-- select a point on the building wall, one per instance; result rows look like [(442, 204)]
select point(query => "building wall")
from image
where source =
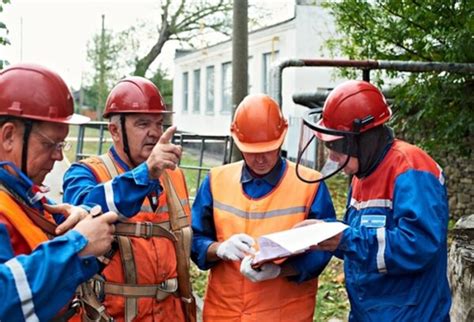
[(301, 37)]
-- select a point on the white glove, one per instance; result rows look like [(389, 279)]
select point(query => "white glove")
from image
[(265, 272), (236, 247)]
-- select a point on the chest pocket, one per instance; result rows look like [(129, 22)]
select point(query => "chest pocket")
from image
[(373, 221)]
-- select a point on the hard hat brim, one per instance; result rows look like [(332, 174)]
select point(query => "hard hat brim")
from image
[(259, 147), (109, 114), (74, 119), (324, 136)]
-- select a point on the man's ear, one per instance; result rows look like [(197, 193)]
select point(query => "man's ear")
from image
[(9, 131), (114, 130)]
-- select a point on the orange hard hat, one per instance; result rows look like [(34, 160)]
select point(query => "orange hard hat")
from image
[(259, 125), (34, 92), (134, 94)]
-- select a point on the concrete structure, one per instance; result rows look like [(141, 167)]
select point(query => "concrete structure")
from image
[(202, 85)]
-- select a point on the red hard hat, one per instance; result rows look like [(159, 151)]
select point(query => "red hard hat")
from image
[(134, 95), (35, 92), (349, 101), (259, 125)]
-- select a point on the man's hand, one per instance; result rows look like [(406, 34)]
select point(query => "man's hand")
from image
[(265, 272), (165, 155), (236, 247), (98, 232), (72, 213), (330, 244)]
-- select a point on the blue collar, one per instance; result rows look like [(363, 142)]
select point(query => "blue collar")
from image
[(21, 185), (117, 158), (272, 178)]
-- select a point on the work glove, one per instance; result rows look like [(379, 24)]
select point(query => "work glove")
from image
[(236, 247), (265, 272)]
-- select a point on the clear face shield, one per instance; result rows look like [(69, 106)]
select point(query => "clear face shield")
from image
[(325, 150)]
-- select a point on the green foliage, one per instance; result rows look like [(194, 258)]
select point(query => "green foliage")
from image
[(104, 54), (435, 109), (164, 84), (3, 34)]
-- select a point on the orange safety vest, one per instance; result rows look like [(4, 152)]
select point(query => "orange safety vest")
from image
[(229, 295), (142, 261), (31, 233)]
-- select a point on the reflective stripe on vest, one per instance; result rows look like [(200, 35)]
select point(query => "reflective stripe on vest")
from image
[(231, 296)]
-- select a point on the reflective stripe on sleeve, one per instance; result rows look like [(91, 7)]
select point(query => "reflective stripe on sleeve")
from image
[(381, 250), (23, 289), (374, 203), (109, 196)]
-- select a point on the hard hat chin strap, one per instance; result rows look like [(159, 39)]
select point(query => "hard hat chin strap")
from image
[(126, 146), (24, 153)]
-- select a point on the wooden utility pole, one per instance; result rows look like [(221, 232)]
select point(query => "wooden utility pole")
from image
[(239, 59), (102, 87)]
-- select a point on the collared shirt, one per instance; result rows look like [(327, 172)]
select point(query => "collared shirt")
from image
[(129, 189), (308, 265)]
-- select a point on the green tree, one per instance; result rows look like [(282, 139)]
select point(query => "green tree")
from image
[(3, 33), (182, 21), (435, 109), (104, 53)]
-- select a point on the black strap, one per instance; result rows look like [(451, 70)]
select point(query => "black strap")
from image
[(24, 153)]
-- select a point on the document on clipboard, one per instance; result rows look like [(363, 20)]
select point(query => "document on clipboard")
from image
[(294, 241)]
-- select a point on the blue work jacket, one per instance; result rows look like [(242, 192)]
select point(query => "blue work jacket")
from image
[(36, 286), (129, 189), (395, 251)]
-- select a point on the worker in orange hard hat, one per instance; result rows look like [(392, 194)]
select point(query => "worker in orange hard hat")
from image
[(237, 203), (147, 278), (46, 250)]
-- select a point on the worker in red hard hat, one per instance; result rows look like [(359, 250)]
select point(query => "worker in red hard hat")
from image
[(394, 251), (40, 276), (239, 202), (145, 277)]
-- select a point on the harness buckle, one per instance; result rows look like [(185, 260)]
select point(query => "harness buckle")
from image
[(148, 233)]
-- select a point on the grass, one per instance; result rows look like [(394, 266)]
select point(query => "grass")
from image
[(331, 298)]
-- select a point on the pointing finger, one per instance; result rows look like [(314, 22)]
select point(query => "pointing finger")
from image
[(168, 135)]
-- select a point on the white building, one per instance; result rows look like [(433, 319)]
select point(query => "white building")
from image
[(202, 89)]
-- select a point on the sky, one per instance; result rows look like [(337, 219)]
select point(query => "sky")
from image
[(55, 33)]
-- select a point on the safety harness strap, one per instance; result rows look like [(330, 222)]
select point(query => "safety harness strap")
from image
[(183, 248), (130, 274), (109, 164), (36, 217), (147, 229), (160, 291)]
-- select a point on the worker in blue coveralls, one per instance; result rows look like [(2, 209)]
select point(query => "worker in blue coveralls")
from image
[(395, 249), (38, 276), (241, 201)]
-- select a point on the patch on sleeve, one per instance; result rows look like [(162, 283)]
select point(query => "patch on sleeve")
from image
[(373, 221)]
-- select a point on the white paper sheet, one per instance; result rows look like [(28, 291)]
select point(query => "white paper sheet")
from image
[(295, 241)]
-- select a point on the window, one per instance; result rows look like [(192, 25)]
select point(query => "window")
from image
[(226, 87), (197, 91), (210, 90), (268, 60), (185, 91)]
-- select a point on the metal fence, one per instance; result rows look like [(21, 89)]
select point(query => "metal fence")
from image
[(203, 151)]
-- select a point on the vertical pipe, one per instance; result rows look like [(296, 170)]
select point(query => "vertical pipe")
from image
[(239, 58)]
